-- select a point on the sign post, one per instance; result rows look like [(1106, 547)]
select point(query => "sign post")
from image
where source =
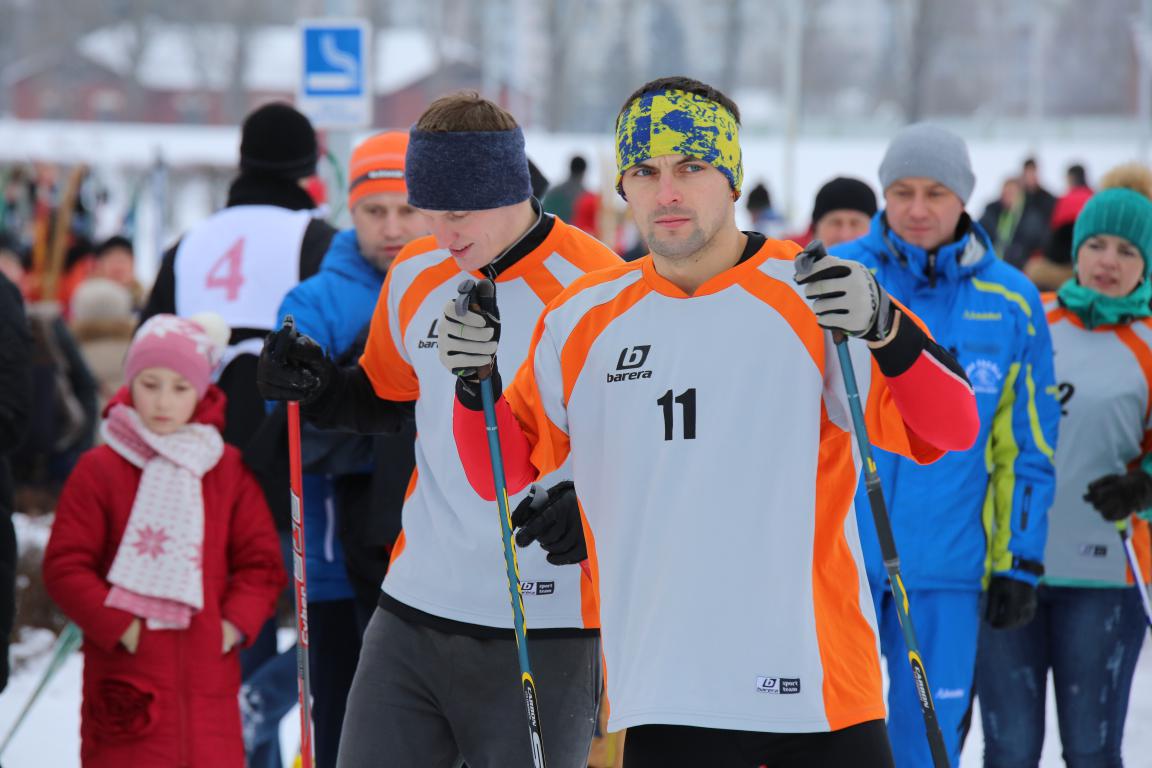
[(335, 91), (334, 88)]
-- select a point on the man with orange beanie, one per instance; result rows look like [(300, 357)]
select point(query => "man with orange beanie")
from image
[(354, 484)]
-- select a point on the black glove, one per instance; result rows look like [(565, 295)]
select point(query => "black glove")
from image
[(552, 517), (292, 366), (1010, 603), (1116, 497)]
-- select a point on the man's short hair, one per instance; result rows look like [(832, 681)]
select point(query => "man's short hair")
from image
[(577, 165), (465, 111), (686, 84)]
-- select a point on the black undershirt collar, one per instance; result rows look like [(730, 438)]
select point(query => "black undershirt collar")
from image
[(530, 242), (752, 247)]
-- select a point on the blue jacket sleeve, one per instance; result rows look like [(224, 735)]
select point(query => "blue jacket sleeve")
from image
[(1020, 455)]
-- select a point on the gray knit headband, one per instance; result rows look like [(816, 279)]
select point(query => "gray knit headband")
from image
[(466, 170)]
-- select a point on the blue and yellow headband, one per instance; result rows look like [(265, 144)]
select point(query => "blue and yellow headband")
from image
[(678, 123)]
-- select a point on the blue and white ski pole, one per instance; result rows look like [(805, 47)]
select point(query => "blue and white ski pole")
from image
[(483, 294)]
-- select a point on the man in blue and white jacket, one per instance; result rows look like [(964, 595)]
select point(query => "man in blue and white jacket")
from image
[(975, 519), (346, 515)]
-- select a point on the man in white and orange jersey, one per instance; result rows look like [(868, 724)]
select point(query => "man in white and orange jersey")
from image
[(438, 676), (700, 402)]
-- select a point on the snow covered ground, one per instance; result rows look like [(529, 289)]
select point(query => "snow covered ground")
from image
[(50, 736)]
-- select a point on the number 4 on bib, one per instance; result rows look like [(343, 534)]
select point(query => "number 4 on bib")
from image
[(226, 272)]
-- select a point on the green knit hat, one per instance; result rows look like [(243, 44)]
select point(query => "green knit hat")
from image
[(1120, 212)]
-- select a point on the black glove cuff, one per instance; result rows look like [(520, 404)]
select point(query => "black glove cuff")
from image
[(885, 316), (898, 355), (468, 392), (1144, 481)]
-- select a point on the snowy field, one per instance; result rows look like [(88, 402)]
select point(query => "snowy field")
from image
[(50, 737)]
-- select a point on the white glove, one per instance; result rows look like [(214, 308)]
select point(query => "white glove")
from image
[(468, 342), (846, 297)]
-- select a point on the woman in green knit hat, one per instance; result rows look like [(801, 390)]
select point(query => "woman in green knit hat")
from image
[(1090, 623)]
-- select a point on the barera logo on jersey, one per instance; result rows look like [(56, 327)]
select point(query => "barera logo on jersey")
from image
[(632, 359), (537, 587), (778, 685), (430, 341)]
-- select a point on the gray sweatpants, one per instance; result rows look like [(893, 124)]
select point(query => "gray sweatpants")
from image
[(424, 699)]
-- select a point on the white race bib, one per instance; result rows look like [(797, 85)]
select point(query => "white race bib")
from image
[(241, 263)]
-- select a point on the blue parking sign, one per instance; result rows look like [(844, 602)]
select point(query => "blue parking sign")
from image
[(334, 87)]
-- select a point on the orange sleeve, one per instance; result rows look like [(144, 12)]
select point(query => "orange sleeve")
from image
[(546, 378), (384, 360), (391, 375), (548, 443)]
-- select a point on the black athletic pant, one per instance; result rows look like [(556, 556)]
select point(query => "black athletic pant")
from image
[(676, 746)]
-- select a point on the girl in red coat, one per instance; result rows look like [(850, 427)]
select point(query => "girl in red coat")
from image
[(164, 553)]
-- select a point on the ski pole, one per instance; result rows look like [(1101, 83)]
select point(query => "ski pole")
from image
[(68, 641), (303, 681), (1137, 574), (804, 263), (485, 297)]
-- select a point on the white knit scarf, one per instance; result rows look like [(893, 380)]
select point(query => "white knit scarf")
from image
[(158, 570)]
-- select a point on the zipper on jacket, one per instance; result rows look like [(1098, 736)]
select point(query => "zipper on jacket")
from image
[(932, 269), (1026, 508)]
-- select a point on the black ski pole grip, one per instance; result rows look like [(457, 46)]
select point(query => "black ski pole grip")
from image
[(481, 296), (280, 341), (464, 296), (538, 497), (807, 258)]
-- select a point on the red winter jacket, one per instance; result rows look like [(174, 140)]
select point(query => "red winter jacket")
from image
[(175, 702)]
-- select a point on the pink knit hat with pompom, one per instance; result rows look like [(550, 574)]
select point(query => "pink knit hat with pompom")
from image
[(190, 346)]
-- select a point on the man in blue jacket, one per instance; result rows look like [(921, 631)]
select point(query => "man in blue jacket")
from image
[(335, 308), (975, 519)]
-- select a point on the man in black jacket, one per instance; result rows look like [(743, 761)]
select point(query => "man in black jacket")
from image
[(240, 263)]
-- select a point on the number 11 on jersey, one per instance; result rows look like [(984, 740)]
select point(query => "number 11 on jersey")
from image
[(687, 402)]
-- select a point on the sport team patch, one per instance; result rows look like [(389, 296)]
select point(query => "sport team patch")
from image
[(778, 685)]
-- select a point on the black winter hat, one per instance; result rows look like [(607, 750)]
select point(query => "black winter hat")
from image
[(844, 194), (279, 141)]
